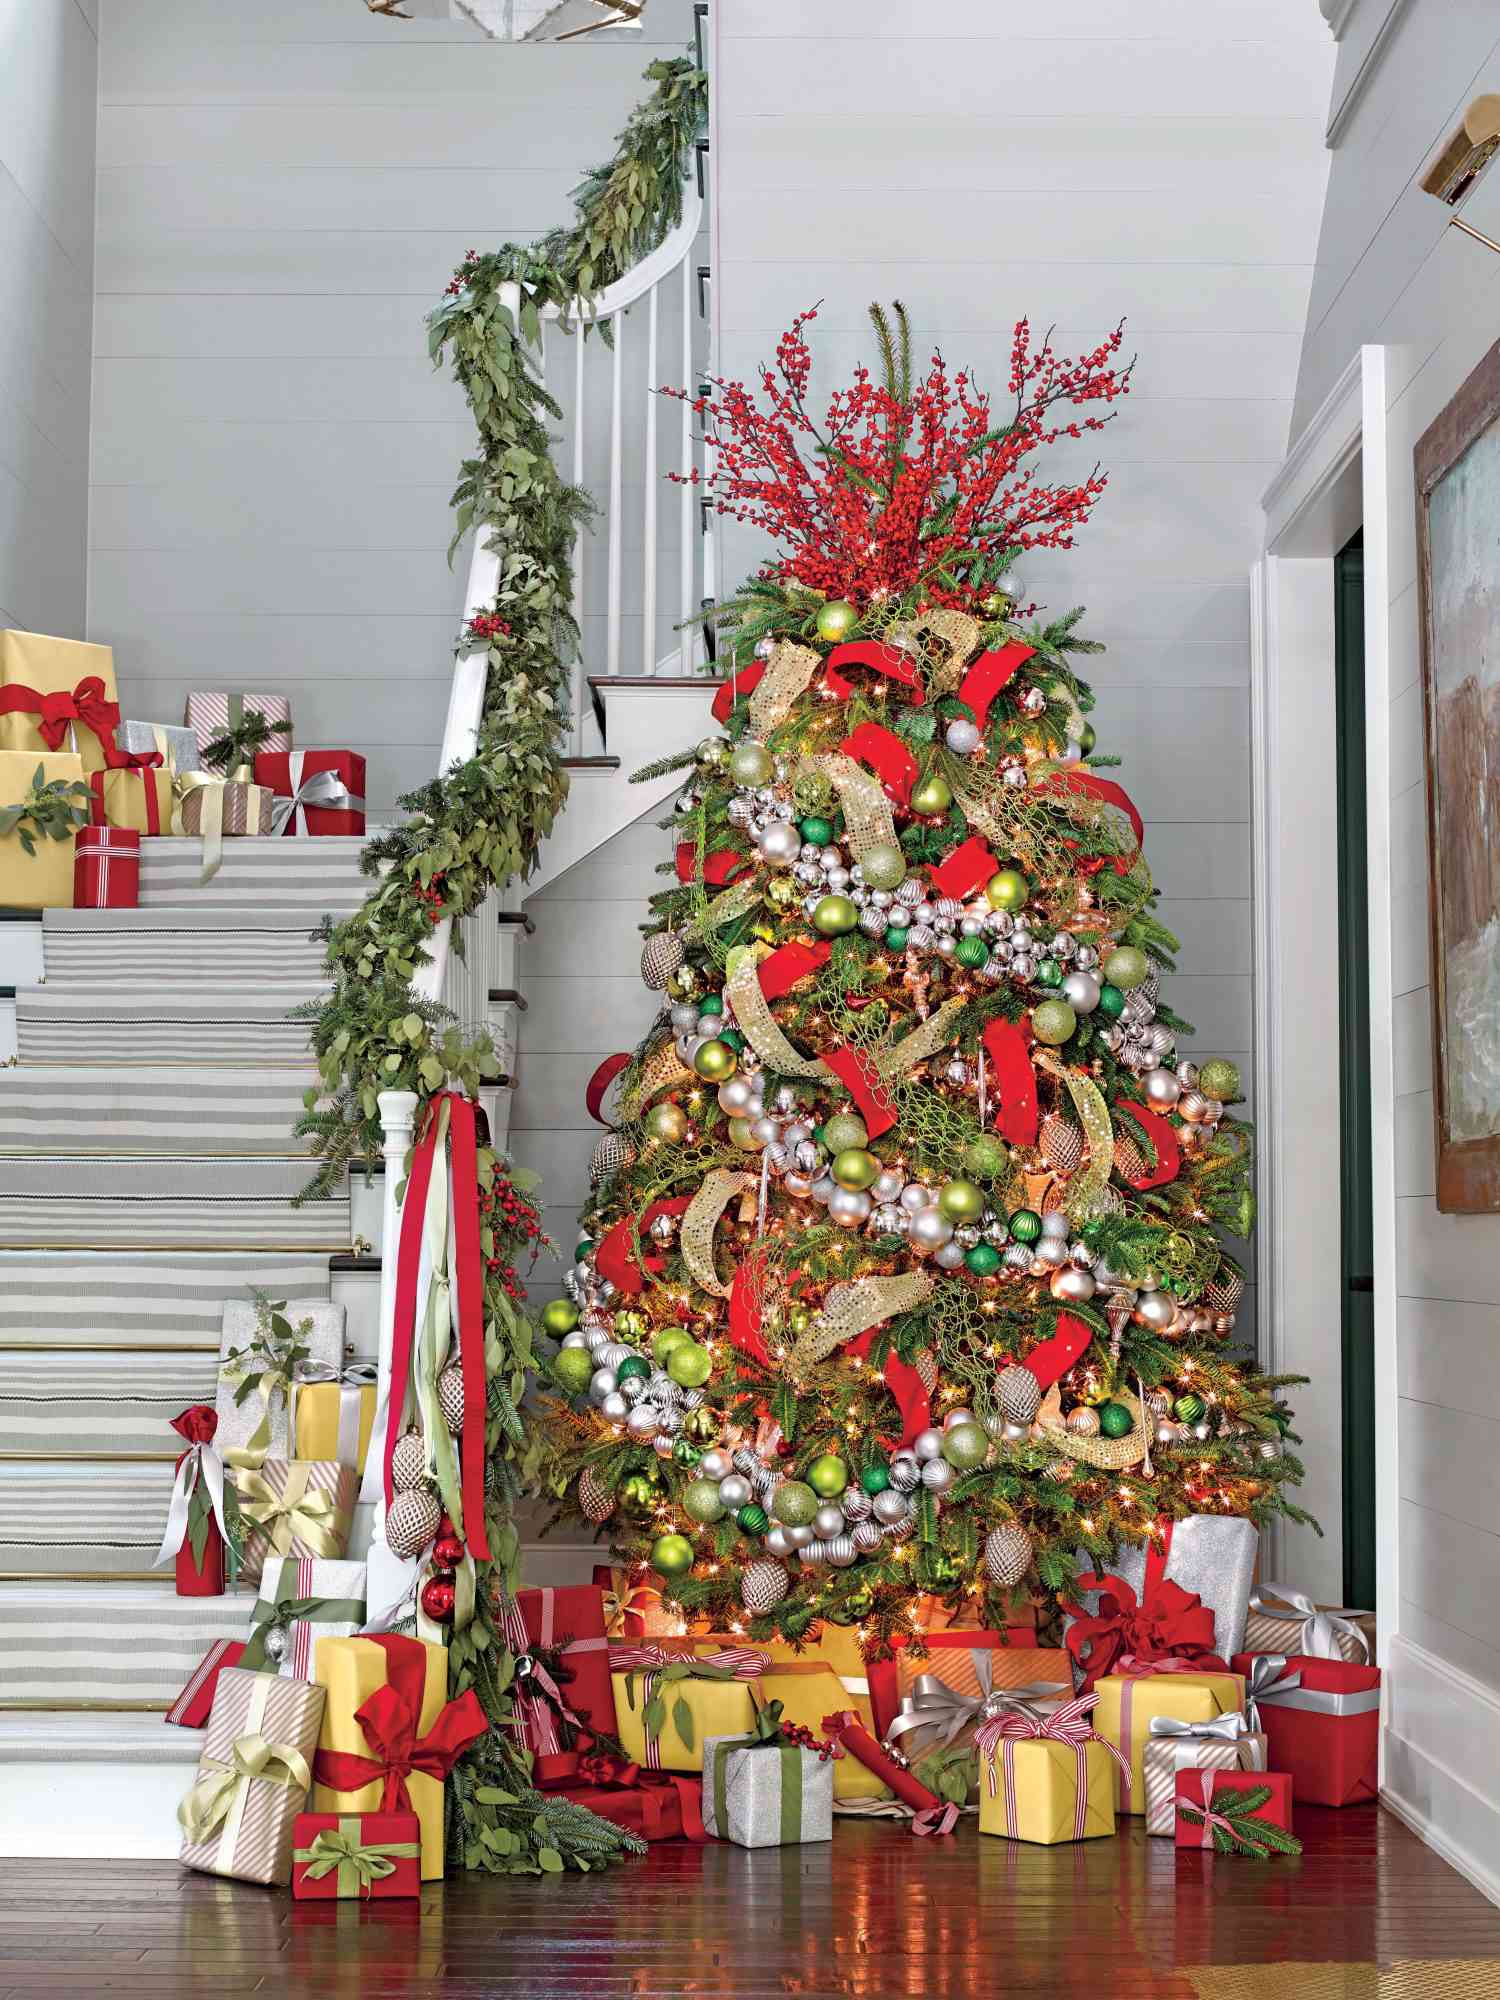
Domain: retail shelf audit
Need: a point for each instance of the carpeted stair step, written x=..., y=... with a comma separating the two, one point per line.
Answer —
x=51, y=1653
x=154, y=947
x=184, y=1022
x=140, y=1299
x=117, y=1403
x=164, y=1202
x=151, y=1108
x=82, y=1516
x=28, y=1737
x=289, y=877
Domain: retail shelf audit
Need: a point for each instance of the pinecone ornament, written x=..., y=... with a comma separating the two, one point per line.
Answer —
x=613, y=1154
x=1019, y=1394
x=594, y=1497
x=1130, y=1161
x=1061, y=1144
x=450, y=1388
x=926, y=1366
x=1007, y=1555
x=411, y=1522
x=762, y=1587
x=1224, y=1291
x=662, y=955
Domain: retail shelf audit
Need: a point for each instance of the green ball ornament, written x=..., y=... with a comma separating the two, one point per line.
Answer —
x=751, y=764
x=986, y=1157
x=559, y=1317
x=1189, y=1409
x=701, y=1502
x=971, y=951
x=740, y=1135
x=1219, y=1079
x=965, y=1446
x=671, y=1555
x=630, y=1324
x=884, y=867
x=754, y=1520
x=701, y=1425
x=1007, y=889
x=1111, y=1002
x=855, y=1168
x=1053, y=1022
x=667, y=1122
x=1049, y=973
x=574, y=1368
x=816, y=830
x=732, y=1039
x=834, y=915
x=711, y=1003
x=584, y=1247
x=1126, y=967
x=685, y=1453
x=984, y=1260
x=836, y=620
x=961, y=1201
x=667, y=1342
x=716, y=1061
x=633, y=1366
x=1115, y=1421
x=1087, y=738
x=828, y=1476
x=875, y=1478
x=1025, y=1225
x=690, y=1365
x=638, y=1495
x=794, y=1503
x=895, y=938
x=843, y=1130
x=932, y=796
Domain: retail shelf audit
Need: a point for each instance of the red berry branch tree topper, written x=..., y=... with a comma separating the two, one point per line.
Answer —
x=903, y=485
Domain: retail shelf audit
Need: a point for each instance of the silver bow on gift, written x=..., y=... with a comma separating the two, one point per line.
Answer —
x=353, y=1378
x=932, y=1706
x=1223, y=1728
x=1182, y=1739
x=1322, y=1625
x=322, y=789
x=1269, y=1682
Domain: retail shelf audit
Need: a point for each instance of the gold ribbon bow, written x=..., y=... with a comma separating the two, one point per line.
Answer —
x=210, y=1798
x=293, y=1515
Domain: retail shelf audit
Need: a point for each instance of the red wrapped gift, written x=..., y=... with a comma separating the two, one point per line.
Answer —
x=192, y=1706
x=107, y=868
x=1204, y=1794
x=885, y=1690
x=1322, y=1723
x=657, y=1805
x=317, y=791
x=931, y=1814
x=196, y=1512
x=362, y=1855
x=563, y=1689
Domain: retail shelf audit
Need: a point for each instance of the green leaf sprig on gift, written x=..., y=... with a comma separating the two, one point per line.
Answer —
x=239, y=742
x=267, y=1362
x=661, y=1681
x=52, y=810
x=1233, y=1820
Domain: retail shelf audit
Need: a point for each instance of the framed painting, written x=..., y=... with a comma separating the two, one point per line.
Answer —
x=1458, y=569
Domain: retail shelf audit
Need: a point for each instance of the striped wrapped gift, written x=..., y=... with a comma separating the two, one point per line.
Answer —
x=1283, y=1620
x=1227, y=1743
x=253, y=1778
x=209, y=715
x=294, y=1507
x=301, y=1601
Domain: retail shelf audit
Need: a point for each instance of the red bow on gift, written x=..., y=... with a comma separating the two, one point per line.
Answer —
x=390, y=1720
x=88, y=704
x=1169, y=1623
x=198, y=1424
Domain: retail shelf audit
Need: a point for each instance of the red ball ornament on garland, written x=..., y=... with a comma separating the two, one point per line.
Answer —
x=447, y=1553
x=438, y=1598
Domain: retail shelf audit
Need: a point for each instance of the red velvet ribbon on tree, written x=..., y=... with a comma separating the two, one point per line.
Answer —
x=87, y=703
x=1163, y=1136
x=780, y=970
x=1115, y=795
x=98, y=816
x=989, y=674
x=904, y=1383
x=865, y=1085
x=1013, y=1081
x=932, y=1816
x=723, y=866
x=468, y=1276
x=739, y=684
x=598, y=1085
x=391, y=1718
x=1127, y=1633
x=883, y=752
x=960, y=873
x=1051, y=1359
x=614, y=1258
x=891, y=661
x=746, y=1300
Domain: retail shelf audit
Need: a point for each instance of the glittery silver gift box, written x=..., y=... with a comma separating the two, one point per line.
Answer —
x=1213, y=1556
x=749, y=1786
x=324, y=1341
x=176, y=744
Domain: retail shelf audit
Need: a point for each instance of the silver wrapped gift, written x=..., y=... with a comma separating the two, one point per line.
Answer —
x=771, y=1795
x=317, y=1325
x=1212, y=1555
x=176, y=745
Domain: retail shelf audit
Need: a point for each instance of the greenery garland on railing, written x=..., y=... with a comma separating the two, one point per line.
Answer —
x=479, y=826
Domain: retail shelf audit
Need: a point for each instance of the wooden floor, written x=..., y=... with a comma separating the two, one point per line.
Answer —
x=1367, y=1913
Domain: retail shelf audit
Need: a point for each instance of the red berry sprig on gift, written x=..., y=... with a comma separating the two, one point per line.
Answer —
x=802, y=1736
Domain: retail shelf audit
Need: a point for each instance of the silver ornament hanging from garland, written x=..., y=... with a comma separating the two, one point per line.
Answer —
x=411, y=1522
x=1007, y=1555
x=409, y=1462
x=450, y=1389
x=613, y=1155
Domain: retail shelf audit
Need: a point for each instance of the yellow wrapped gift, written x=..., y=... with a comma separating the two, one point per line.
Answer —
x=57, y=695
x=334, y=1419
x=1127, y=1702
x=827, y=1644
x=1047, y=1792
x=668, y=1703
x=808, y=1690
x=139, y=799
x=43, y=879
x=351, y=1670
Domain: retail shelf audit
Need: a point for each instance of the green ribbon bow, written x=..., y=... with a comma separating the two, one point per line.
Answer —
x=767, y=1736
x=359, y=1863
x=271, y=1617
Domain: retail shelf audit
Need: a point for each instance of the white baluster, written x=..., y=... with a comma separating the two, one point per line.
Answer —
x=648, y=510
x=389, y=1577
x=689, y=494
x=581, y=667
x=616, y=476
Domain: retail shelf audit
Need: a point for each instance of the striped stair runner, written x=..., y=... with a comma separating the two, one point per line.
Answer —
x=311, y=878
x=152, y=1108
x=186, y=1022
x=165, y=1202
x=137, y=1301
x=99, y=1402
x=89, y=1513
x=144, y=947
x=50, y=1650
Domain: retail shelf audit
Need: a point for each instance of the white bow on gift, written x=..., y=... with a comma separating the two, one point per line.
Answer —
x=199, y=1461
x=1321, y=1625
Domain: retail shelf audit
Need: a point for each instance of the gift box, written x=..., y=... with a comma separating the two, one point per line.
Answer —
x=807, y=1691
x=1211, y=1556
x=885, y=1678
x=293, y=1507
x=390, y=1735
x=562, y=1634
x=668, y=1705
x=194, y=1704
x=138, y=799
x=58, y=695
x=225, y=807
x=301, y=1601
x=635, y=1611
x=259, y=1356
x=1260, y=1824
x=942, y=1697
x=172, y=742
x=107, y=868
x=1129, y=1702
x=766, y=1792
x=1047, y=1792
x=1322, y=1723
x=1282, y=1620
x=655, y=1805
x=317, y=791
x=1228, y=1743
x=253, y=1774
x=334, y=1419
x=43, y=879
x=361, y=1855
x=209, y=715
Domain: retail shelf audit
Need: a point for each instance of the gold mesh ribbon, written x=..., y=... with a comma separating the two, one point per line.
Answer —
x=662, y=1067
x=1109, y=1454
x=1086, y=1188
x=853, y=1308
x=787, y=677
x=753, y=1013
x=735, y=902
x=956, y=633
x=935, y=1033
x=700, y=1220
x=867, y=811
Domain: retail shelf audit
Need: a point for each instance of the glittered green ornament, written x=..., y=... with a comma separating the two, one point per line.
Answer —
x=984, y=1260
x=716, y=1061
x=816, y=830
x=1189, y=1409
x=794, y=1503
x=669, y=1338
x=961, y=1201
x=701, y=1425
x=1126, y=967
x=753, y=1519
x=1025, y=1225
x=834, y=915
x=875, y=1478
x=986, y=1157
x=633, y=1367
x=574, y=1369
x=701, y=1502
x=1115, y=1421
x=671, y=1555
x=639, y=1493
x=559, y=1316
x=932, y=796
x=1219, y=1079
x=828, y=1475
x=1111, y=1001
x=690, y=1365
x=843, y=1130
x=751, y=764
x=965, y=1446
x=686, y=1454
x=836, y=620
x=971, y=951
x=884, y=867
x=896, y=937
x=1053, y=1022
x=1007, y=889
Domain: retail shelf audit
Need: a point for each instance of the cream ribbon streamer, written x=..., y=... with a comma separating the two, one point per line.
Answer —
x=753, y=1013
x=788, y=675
x=854, y=1307
x=199, y=1461
x=701, y=1219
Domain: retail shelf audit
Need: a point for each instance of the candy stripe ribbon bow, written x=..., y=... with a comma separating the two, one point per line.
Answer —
x=653, y=1663
x=360, y=1863
x=199, y=1462
x=1069, y=1724
x=390, y=1719
x=210, y=1799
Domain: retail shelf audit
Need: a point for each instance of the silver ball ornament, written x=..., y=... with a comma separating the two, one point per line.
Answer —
x=962, y=737
x=735, y=1491
x=938, y=1475
x=890, y=1506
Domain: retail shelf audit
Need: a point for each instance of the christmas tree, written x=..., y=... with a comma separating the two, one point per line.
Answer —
x=905, y=1270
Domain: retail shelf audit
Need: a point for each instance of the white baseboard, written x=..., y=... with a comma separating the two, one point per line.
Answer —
x=95, y=1812
x=1441, y=1722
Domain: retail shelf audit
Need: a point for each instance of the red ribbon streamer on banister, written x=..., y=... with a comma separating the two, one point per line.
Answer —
x=891, y=661
x=1013, y=1081
x=598, y=1086
x=887, y=756
x=989, y=674
x=1091, y=787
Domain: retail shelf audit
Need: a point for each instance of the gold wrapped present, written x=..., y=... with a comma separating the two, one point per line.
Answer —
x=139, y=799
x=808, y=1690
x=1129, y=1702
x=1228, y=1743
x=253, y=1775
x=57, y=695
x=294, y=1507
x=43, y=879
x=1047, y=1778
x=668, y=1703
x=334, y=1418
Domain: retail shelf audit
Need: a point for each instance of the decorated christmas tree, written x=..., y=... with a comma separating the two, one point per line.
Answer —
x=905, y=1270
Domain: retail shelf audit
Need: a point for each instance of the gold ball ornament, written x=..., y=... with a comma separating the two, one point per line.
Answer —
x=639, y=1493
x=961, y=1201
x=1007, y=1555
x=843, y=1130
x=751, y=764
x=1219, y=1080
x=701, y=1426
x=1053, y=1022
x=1084, y=1421
x=713, y=753
x=833, y=916
x=667, y=1122
x=716, y=1061
x=1127, y=967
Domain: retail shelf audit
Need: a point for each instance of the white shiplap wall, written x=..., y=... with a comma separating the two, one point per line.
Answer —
x=49, y=63
x=985, y=159
x=284, y=189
